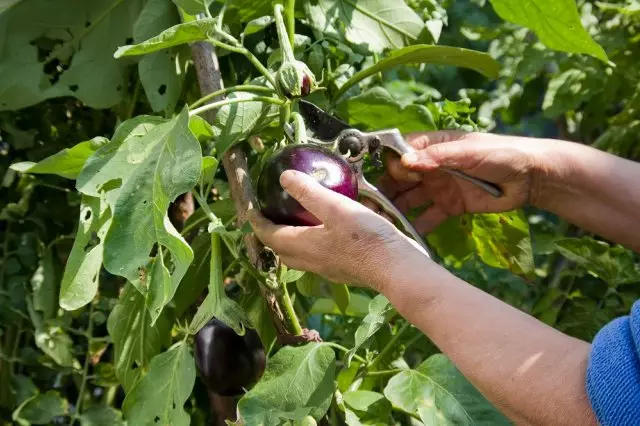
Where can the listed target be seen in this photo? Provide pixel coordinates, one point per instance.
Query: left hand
(353, 245)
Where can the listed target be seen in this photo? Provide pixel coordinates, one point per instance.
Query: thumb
(455, 155)
(315, 198)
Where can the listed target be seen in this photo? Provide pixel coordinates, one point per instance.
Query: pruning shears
(330, 132)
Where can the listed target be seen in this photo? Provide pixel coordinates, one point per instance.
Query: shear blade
(323, 126)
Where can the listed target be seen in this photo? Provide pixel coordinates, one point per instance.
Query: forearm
(530, 371)
(592, 189)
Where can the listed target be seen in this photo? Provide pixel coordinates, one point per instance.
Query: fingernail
(414, 176)
(411, 157)
(287, 177)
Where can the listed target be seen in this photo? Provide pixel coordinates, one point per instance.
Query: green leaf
(297, 382)
(428, 54)
(209, 168)
(217, 303)
(313, 285)
(23, 388)
(82, 272)
(200, 128)
(235, 122)
(101, 415)
(258, 24)
(193, 7)
(438, 394)
(57, 344)
(556, 22)
(161, 73)
(184, 33)
(453, 241)
(44, 284)
(40, 409)
(377, 109)
(368, 405)
(66, 163)
(568, 90)
(613, 264)
(291, 275)
(377, 24)
(341, 295)
(135, 340)
(77, 49)
(160, 396)
(380, 312)
(196, 278)
(503, 241)
(152, 169)
(358, 306)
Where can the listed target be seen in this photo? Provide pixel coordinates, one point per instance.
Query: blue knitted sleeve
(613, 371)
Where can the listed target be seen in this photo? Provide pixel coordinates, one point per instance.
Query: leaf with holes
(48, 52)
(380, 312)
(298, 381)
(556, 22)
(160, 396)
(437, 393)
(152, 171)
(135, 340)
(161, 73)
(81, 275)
(376, 24)
(184, 33)
(67, 163)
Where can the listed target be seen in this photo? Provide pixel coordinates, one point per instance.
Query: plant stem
(286, 46)
(345, 350)
(384, 373)
(290, 317)
(219, 104)
(290, 11)
(134, 100)
(243, 51)
(390, 346)
(242, 87)
(85, 370)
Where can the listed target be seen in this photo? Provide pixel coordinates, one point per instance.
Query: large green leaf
(40, 409)
(368, 408)
(439, 394)
(66, 163)
(193, 7)
(453, 240)
(377, 109)
(184, 33)
(380, 312)
(297, 382)
(613, 264)
(40, 39)
(503, 241)
(135, 340)
(56, 343)
(160, 396)
(161, 73)
(377, 24)
(428, 54)
(555, 22)
(358, 306)
(101, 415)
(144, 173)
(217, 303)
(81, 275)
(568, 90)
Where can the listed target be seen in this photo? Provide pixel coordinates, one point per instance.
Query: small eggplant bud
(295, 80)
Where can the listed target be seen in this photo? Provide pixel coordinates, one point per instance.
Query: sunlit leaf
(160, 396)
(380, 312)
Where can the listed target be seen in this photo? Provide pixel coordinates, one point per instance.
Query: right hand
(510, 162)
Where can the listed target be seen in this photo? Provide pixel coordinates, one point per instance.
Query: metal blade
(322, 125)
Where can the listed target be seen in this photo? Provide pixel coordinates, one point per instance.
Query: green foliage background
(94, 330)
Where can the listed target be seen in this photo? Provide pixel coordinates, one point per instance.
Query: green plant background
(85, 339)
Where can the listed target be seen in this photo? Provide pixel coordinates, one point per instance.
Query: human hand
(415, 180)
(353, 245)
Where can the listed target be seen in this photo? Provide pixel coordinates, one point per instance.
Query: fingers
(282, 239)
(430, 219)
(318, 200)
(454, 155)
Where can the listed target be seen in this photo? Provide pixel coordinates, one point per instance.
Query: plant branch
(250, 56)
(290, 11)
(234, 162)
(85, 370)
(242, 87)
(220, 104)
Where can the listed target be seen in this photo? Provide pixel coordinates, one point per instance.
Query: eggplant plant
(135, 136)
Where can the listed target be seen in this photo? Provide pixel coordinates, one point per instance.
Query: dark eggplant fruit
(227, 362)
(325, 166)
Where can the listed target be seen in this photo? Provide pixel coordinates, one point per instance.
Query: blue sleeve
(613, 371)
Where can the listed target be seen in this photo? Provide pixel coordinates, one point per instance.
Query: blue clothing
(613, 372)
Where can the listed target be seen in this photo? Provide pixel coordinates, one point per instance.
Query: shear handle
(393, 139)
(369, 191)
